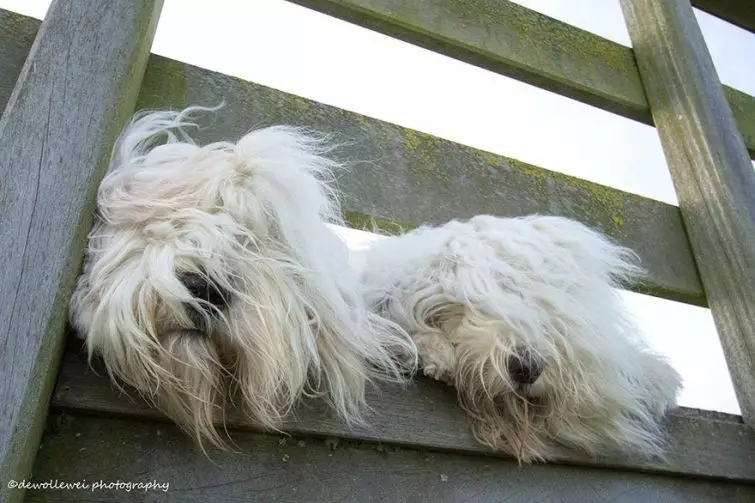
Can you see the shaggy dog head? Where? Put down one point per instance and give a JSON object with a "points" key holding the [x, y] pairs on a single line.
{"points": [[523, 317], [210, 271]]}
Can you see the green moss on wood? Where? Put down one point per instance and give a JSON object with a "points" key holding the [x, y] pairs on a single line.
{"points": [[376, 225], [510, 39], [399, 178], [164, 84], [743, 107]]}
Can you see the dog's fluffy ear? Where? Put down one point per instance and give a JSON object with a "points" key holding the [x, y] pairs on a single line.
{"points": [[146, 166], [290, 173], [273, 176]]}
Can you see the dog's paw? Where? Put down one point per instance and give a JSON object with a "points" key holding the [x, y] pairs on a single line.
{"points": [[437, 357], [439, 373]]}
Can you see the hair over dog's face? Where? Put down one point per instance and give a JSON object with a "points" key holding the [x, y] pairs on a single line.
{"points": [[209, 273], [523, 317]]}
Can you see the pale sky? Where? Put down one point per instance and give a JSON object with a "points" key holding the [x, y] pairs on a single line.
{"points": [[288, 47]]}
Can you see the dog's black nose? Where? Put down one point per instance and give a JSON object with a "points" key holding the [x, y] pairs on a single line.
{"points": [[524, 367], [202, 289]]}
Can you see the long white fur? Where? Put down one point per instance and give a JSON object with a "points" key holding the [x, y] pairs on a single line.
{"points": [[472, 293], [251, 217]]}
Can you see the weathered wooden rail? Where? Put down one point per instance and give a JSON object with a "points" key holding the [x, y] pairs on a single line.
{"points": [[61, 115]]}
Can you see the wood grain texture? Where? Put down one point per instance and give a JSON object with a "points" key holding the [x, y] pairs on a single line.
{"points": [[74, 93], [17, 34], [425, 415], [585, 67], [712, 174], [621, 215], [512, 40], [273, 468], [402, 175], [738, 12], [743, 107]]}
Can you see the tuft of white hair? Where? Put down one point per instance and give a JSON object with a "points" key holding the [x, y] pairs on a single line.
{"points": [[250, 220], [485, 298]]}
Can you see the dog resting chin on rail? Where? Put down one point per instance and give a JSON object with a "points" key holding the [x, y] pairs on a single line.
{"points": [[210, 273], [521, 315]]}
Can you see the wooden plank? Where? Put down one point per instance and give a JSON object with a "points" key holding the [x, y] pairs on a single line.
{"points": [[711, 171], [504, 37], [587, 67], [401, 175], [619, 214], [17, 33], [425, 415], [294, 469], [75, 91], [743, 107], [738, 12]]}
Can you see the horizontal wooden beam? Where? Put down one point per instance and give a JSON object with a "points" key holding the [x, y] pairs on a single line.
{"points": [[302, 468], [401, 175], [410, 160], [17, 34], [425, 416], [75, 91], [587, 67], [737, 12], [509, 39]]}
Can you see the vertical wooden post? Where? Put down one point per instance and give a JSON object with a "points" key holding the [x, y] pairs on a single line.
{"points": [[714, 180], [77, 89]]}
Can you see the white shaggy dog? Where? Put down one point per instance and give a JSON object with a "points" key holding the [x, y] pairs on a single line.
{"points": [[210, 272], [522, 317]]}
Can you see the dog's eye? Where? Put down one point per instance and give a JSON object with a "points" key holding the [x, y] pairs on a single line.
{"points": [[202, 289]]}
